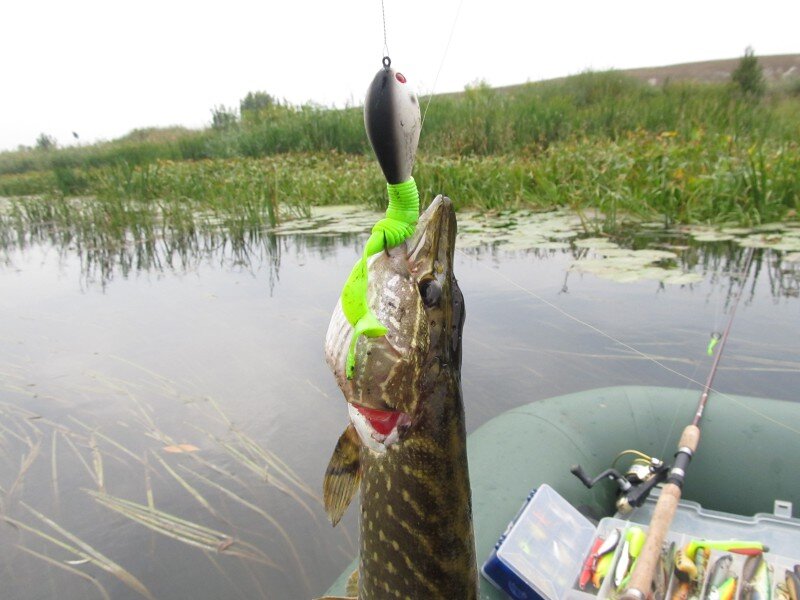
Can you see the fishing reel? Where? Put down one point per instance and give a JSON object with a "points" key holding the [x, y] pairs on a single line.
{"points": [[643, 474]]}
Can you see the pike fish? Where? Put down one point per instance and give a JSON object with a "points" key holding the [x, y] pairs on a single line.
{"points": [[405, 445]]}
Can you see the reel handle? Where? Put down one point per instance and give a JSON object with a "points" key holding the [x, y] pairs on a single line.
{"points": [[612, 474]]}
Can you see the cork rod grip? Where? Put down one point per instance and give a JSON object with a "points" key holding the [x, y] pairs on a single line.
{"points": [[642, 575], [690, 438]]}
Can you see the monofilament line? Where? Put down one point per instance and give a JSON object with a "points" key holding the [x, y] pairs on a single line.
{"points": [[385, 43], [441, 64], [631, 348]]}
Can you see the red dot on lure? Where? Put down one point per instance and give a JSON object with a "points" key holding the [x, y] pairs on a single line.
{"points": [[400, 77]]}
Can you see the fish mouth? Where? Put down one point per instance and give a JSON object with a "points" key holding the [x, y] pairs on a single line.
{"points": [[432, 247], [378, 428]]}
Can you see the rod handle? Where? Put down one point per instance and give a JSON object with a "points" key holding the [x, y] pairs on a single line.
{"points": [[690, 438], [664, 511], [642, 576]]}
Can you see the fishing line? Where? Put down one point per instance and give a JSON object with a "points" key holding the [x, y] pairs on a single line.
{"points": [[387, 61], [441, 64], [628, 346], [385, 43]]}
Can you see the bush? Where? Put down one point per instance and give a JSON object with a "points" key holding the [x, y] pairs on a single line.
{"points": [[749, 76]]}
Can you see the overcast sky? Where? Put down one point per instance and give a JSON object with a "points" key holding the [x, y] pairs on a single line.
{"points": [[104, 67]]}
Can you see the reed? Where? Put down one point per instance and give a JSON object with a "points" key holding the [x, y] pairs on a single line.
{"points": [[682, 153], [481, 120], [96, 456]]}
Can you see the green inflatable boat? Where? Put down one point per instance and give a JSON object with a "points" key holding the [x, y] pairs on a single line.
{"points": [[745, 471]]}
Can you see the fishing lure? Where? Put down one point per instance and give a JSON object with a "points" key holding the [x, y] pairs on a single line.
{"points": [[661, 578], [590, 564], [726, 591], [715, 338], [600, 572], [722, 581], [600, 548], [635, 538], [685, 559], [757, 579], [392, 121], [792, 584], [623, 563]]}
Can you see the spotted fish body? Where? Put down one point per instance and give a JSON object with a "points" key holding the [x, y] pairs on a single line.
{"points": [[406, 444]]}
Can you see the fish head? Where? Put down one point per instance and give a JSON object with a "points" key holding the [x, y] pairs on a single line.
{"points": [[413, 292], [392, 121]]}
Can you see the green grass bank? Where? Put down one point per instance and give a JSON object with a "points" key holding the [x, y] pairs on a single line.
{"points": [[680, 152]]}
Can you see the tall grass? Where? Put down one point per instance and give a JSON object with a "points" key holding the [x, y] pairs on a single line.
{"points": [[667, 176], [480, 120], [682, 152]]}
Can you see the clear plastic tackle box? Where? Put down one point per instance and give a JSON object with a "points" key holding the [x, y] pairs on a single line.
{"points": [[541, 554]]}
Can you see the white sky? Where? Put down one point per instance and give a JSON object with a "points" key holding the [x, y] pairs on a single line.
{"points": [[104, 67]]}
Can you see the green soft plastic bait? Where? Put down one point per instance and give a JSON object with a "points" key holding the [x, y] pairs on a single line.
{"points": [[393, 230], [715, 337], [392, 121]]}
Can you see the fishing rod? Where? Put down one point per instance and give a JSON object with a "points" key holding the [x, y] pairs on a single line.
{"points": [[664, 511]]}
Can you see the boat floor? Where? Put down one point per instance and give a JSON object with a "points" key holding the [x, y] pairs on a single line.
{"points": [[746, 460]]}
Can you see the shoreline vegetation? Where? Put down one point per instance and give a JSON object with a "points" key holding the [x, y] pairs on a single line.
{"points": [[677, 152]]}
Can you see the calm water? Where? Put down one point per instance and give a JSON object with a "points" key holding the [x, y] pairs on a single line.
{"points": [[108, 360]]}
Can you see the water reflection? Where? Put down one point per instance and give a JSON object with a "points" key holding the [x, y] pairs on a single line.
{"points": [[178, 426], [670, 256]]}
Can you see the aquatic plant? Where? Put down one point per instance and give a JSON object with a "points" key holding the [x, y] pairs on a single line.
{"points": [[233, 468], [681, 153]]}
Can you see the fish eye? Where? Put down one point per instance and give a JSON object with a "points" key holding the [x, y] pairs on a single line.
{"points": [[431, 292], [400, 77]]}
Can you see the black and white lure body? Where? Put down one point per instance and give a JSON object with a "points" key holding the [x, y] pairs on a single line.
{"points": [[392, 120]]}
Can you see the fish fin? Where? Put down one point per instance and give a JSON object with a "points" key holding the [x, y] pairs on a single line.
{"points": [[352, 584], [342, 475]]}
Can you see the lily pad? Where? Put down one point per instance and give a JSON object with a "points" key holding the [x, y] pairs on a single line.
{"points": [[596, 244], [563, 235], [682, 278], [788, 244], [551, 245], [470, 240], [713, 236], [654, 255], [622, 276], [737, 230], [770, 227], [754, 241]]}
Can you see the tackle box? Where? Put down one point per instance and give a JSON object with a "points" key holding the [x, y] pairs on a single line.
{"points": [[541, 554]]}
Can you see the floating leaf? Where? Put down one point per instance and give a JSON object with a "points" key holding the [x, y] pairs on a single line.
{"points": [[683, 278], [770, 227], [654, 255], [753, 242], [596, 244], [550, 245], [788, 245]]}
